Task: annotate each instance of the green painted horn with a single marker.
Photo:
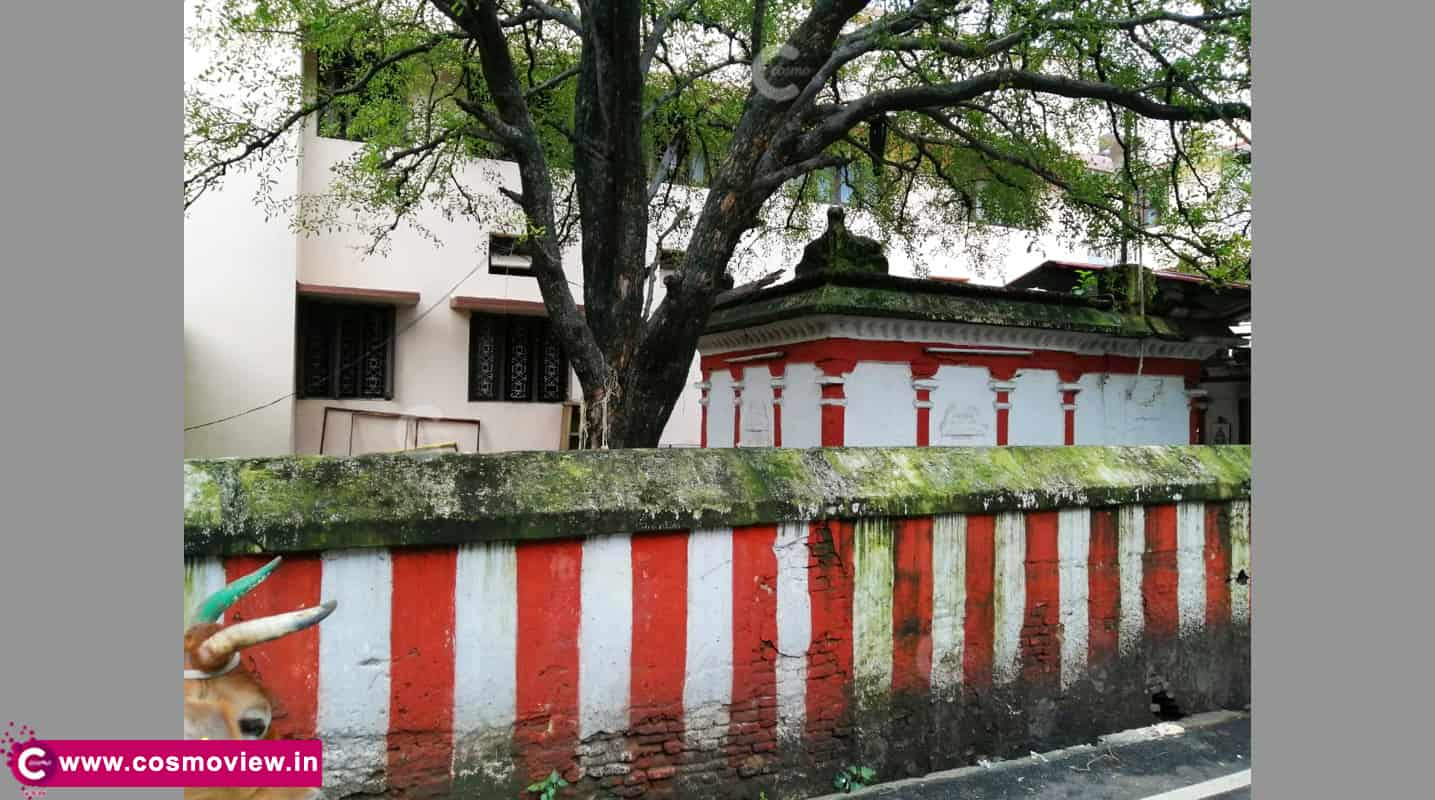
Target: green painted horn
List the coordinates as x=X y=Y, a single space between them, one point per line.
x=217 y=603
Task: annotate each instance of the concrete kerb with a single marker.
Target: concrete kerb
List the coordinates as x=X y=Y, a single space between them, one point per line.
x=1124 y=738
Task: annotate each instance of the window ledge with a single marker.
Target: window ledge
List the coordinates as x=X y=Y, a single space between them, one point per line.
x=500 y=305
x=358 y=294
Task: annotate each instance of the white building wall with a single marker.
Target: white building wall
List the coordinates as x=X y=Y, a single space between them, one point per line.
x=801 y=412
x=880 y=406
x=239 y=273
x=720 y=408
x=1148 y=409
x=756 y=407
x=1091 y=410
x=963 y=410
x=1036 y=417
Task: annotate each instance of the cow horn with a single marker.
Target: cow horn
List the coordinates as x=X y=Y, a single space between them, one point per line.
x=217 y=603
x=227 y=641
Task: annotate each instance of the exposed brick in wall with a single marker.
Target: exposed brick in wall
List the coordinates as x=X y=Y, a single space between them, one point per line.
x=1103 y=590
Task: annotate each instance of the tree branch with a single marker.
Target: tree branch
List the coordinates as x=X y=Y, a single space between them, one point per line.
x=841 y=118
x=211 y=173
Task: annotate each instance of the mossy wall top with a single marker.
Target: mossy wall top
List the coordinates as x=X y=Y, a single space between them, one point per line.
x=309 y=503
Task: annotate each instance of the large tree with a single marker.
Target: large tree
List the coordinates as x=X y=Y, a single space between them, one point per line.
x=932 y=112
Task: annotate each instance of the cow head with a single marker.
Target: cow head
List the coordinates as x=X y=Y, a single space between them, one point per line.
x=221 y=699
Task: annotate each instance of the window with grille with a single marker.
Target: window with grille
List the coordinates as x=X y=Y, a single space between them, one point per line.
x=515 y=359
x=346 y=350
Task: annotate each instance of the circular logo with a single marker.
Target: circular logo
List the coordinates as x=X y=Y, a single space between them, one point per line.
x=764 y=71
x=34 y=763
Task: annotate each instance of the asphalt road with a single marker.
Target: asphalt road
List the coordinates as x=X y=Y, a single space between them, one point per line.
x=1140 y=769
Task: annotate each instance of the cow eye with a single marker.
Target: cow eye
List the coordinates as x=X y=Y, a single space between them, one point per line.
x=253 y=726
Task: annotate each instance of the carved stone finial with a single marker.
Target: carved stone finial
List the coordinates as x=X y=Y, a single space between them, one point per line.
x=838 y=250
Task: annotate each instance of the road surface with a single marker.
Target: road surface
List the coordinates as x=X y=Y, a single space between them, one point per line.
x=1209 y=758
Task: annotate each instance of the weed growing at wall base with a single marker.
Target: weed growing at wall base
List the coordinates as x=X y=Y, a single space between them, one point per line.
x=854 y=777
x=547 y=789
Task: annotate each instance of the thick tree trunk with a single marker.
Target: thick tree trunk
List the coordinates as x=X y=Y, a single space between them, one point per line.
x=612 y=176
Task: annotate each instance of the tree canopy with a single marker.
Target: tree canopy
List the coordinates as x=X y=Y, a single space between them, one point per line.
x=707 y=125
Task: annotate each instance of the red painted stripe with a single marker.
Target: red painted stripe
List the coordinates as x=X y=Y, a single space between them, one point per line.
x=833 y=417
x=288 y=667
x=737 y=418
x=912 y=605
x=753 y=723
x=1041 y=630
x=1003 y=418
x=924 y=370
x=980 y=628
x=1103 y=589
x=777 y=369
x=421 y=672
x=1218 y=566
x=829 y=659
x=1068 y=414
x=660 y=625
x=1159 y=572
x=549 y=615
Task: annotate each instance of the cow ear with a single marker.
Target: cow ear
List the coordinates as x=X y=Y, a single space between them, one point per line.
x=205 y=721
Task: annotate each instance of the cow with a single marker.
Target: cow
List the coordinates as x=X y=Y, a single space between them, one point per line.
x=221 y=699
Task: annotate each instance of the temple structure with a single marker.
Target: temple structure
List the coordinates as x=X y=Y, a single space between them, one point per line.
x=847 y=355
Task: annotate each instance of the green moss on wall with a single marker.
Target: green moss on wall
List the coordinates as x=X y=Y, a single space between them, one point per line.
x=871 y=301
x=307 y=503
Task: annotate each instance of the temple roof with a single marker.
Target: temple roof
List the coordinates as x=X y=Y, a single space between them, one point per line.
x=844 y=274
x=892 y=297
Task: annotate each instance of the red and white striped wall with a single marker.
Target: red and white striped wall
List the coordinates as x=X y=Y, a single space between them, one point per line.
x=711 y=655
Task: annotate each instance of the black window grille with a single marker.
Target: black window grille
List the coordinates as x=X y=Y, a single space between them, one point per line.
x=515 y=359
x=346 y=350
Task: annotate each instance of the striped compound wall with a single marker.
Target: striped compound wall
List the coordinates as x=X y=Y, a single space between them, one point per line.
x=724 y=661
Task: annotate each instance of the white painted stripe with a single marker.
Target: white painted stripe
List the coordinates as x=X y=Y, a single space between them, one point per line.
x=1131 y=548
x=794 y=629
x=1238 y=516
x=1009 y=596
x=485 y=652
x=1210 y=788
x=1190 y=568
x=707 y=682
x=605 y=637
x=353 y=714
x=202 y=578
x=949 y=601
x=977 y=351
x=755 y=357
x=872 y=575
x=1073 y=547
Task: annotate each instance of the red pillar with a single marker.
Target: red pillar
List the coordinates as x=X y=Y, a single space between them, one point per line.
x=923 y=373
x=778 y=370
x=1197 y=398
x=834 y=399
x=736 y=371
x=1003 y=385
x=704 y=386
x=1069 y=388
